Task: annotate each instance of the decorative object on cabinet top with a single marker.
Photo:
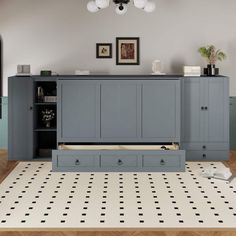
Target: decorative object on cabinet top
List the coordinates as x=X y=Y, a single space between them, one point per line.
x=212 y=55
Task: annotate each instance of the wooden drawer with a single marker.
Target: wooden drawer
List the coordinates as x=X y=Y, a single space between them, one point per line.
x=119 y=161
x=164 y=160
x=207 y=155
x=205 y=146
x=74 y=161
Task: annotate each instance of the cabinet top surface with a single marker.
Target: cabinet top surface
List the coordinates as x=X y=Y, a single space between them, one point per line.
x=112 y=77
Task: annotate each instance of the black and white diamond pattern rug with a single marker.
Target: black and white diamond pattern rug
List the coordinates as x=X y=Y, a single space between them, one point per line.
x=33 y=197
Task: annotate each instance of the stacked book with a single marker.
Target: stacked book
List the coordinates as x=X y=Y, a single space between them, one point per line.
x=192 y=71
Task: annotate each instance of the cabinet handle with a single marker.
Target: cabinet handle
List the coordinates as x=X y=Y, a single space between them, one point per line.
x=204 y=156
x=162 y=162
x=203 y=147
x=77 y=162
x=31 y=108
x=120 y=162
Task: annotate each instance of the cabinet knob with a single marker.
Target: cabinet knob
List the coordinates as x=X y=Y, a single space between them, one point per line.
x=31 y=108
x=202 y=108
x=162 y=162
x=205 y=108
x=203 y=147
x=120 y=162
x=204 y=156
x=77 y=162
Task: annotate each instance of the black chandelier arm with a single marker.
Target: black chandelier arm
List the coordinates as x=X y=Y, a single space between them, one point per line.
x=121 y=1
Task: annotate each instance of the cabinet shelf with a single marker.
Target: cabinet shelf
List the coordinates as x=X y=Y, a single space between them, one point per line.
x=44 y=103
x=45 y=129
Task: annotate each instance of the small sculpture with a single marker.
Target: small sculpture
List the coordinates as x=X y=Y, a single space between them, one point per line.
x=48 y=116
x=156 y=68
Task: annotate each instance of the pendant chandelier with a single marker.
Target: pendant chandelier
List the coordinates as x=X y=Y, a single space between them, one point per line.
x=121 y=5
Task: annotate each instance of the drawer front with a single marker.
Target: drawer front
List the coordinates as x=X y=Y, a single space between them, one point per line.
x=119 y=161
x=158 y=160
x=205 y=146
x=207 y=155
x=77 y=161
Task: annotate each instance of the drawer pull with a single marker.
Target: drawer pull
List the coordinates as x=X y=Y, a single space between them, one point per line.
x=120 y=162
x=77 y=162
x=204 y=156
x=162 y=162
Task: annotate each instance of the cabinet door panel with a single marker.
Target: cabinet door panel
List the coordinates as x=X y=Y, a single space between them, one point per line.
x=192 y=115
x=20 y=95
x=119 y=110
x=78 y=107
x=218 y=110
x=160 y=110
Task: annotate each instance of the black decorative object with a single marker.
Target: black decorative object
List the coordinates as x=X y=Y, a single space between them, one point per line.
x=45 y=72
x=211 y=70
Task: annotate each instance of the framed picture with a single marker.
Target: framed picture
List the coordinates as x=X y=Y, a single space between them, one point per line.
x=127 y=51
x=104 y=50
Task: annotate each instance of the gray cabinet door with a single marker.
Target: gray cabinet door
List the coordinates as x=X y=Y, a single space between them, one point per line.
x=119 y=111
x=20 y=121
x=78 y=111
x=192 y=113
x=217 y=125
x=161 y=111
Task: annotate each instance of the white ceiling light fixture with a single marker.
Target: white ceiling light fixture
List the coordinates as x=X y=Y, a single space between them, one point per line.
x=121 y=9
x=92 y=7
x=140 y=3
x=121 y=5
x=102 y=3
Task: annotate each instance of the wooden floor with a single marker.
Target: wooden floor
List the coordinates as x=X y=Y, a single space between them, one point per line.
x=7 y=166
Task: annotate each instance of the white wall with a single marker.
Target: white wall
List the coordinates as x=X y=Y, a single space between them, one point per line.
x=61 y=35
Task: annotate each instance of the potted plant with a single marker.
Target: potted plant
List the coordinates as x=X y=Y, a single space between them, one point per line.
x=212 y=56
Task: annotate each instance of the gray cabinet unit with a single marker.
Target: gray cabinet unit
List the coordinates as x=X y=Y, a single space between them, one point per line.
x=20 y=115
x=78 y=111
x=119 y=111
x=205 y=118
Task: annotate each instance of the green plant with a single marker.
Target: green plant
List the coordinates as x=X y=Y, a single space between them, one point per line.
x=211 y=54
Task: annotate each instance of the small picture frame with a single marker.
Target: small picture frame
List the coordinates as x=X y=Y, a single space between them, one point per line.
x=127 y=51
x=103 y=50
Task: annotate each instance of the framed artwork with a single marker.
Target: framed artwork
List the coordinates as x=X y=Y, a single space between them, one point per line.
x=127 y=51
x=103 y=50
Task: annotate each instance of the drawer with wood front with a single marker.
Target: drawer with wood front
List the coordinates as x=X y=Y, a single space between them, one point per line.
x=120 y=161
x=118 y=158
x=164 y=161
x=207 y=155
x=74 y=161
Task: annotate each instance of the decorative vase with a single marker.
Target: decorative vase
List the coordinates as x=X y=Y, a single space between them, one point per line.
x=211 y=70
x=48 y=124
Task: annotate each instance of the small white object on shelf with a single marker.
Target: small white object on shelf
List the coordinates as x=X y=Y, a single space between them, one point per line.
x=156 y=68
x=192 y=70
x=82 y=72
x=23 y=70
x=50 y=98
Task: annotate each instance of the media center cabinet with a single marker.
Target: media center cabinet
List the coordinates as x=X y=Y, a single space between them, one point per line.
x=119 y=122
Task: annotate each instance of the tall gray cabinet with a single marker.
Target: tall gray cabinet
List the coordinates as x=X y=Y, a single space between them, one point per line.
x=205 y=118
x=20 y=115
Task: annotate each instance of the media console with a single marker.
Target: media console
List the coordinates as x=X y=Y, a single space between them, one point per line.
x=119 y=122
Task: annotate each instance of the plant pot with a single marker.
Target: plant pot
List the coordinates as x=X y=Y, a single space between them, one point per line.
x=211 y=70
